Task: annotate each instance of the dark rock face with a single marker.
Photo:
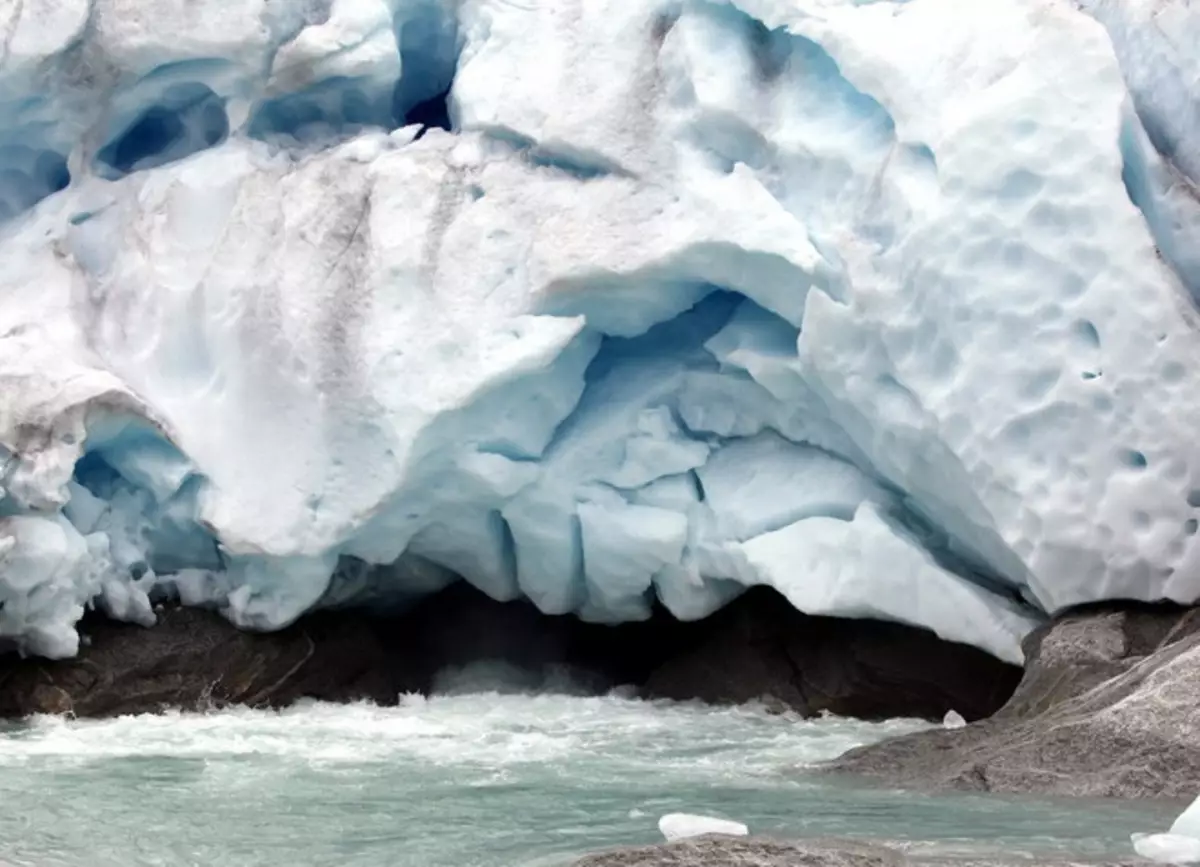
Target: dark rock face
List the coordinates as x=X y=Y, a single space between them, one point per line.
x=460 y=626
x=762 y=852
x=762 y=647
x=1109 y=706
x=194 y=660
x=757 y=647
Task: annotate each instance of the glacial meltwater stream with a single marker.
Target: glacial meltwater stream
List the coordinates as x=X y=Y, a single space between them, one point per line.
x=476 y=779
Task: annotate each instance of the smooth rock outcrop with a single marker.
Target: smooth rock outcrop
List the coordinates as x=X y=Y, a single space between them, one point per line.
x=1109 y=706
x=747 y=852
x=763 y=852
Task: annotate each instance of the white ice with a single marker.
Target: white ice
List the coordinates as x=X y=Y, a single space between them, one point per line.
x=953 y=720
x=888 y=306
x=680 y=826
x=1180 y=845
x=1167 y=848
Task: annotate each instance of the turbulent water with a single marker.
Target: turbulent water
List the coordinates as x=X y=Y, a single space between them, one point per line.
x=471 y=779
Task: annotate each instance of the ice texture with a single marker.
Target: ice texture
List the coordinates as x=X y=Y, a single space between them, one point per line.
x=1180 y=845
x=1187 y=823
x=889 y=306
x=1167 y=848
x=680 y=826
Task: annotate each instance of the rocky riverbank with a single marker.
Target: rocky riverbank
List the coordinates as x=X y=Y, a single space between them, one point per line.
x=759 y=647
x=764 y=852
x=1109 y=706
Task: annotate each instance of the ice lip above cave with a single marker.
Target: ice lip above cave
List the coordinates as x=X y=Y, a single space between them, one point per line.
x=882 y=305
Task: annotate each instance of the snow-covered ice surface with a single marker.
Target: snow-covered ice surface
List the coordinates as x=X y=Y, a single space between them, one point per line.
x=887 y=305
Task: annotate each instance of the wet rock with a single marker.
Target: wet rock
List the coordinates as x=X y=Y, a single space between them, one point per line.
x=748 y=852
x=194 y=659
x=760 y=648
x=1109 y=706
x=763 y=852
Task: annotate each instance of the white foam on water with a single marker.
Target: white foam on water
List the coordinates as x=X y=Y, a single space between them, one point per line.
x=488 y=729
x=491 y=779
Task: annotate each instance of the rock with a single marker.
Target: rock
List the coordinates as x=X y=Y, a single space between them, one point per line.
x=747 y=852
x=1109 y=706
x=194 y=659
x=757 y=647
x=760 y=647
x=763 y=852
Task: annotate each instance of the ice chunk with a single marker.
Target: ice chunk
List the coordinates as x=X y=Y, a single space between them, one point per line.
x=1167 y=848
x=1188 y=822
x=1153 y=42
x=47 y=575
x=868 y=567
x=624 y=547
x=680 y=826
x=758 y=484
x=953 y=720
x=1180 y=845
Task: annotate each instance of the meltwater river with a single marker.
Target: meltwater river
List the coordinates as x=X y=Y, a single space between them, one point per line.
x=473 y=779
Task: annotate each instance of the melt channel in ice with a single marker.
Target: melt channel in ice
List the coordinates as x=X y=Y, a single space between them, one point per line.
x=885 y=305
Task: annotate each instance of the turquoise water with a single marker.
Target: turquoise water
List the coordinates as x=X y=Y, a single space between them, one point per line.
x=473 y=779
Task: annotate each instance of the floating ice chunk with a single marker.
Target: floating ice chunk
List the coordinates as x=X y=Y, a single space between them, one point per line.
x=1167 y=848
x=953 y=720
x=1188 y=822
x=679 y=826
x=1180 y=845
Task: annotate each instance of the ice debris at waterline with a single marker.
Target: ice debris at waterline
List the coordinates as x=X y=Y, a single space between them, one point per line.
x=953 y=720
x=883 y=305
x=680 y=826
x=1180 y=845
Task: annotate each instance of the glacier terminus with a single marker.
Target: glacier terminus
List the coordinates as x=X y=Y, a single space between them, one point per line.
x=890 y=306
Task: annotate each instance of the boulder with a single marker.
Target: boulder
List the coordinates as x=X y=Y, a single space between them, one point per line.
x=194 y=659
x=764 y=852
x=747 y=852
x=1109 y=706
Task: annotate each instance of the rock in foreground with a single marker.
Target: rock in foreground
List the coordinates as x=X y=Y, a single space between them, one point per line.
x=761 y=852
x=751 y=852
x=1109 y=706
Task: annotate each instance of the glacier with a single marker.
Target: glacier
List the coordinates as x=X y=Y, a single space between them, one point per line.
x=890 y=306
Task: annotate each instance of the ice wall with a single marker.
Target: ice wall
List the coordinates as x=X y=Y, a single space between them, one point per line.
x=884 y=305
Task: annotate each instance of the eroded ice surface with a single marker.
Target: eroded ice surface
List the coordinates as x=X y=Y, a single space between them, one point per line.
x=885 y=305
